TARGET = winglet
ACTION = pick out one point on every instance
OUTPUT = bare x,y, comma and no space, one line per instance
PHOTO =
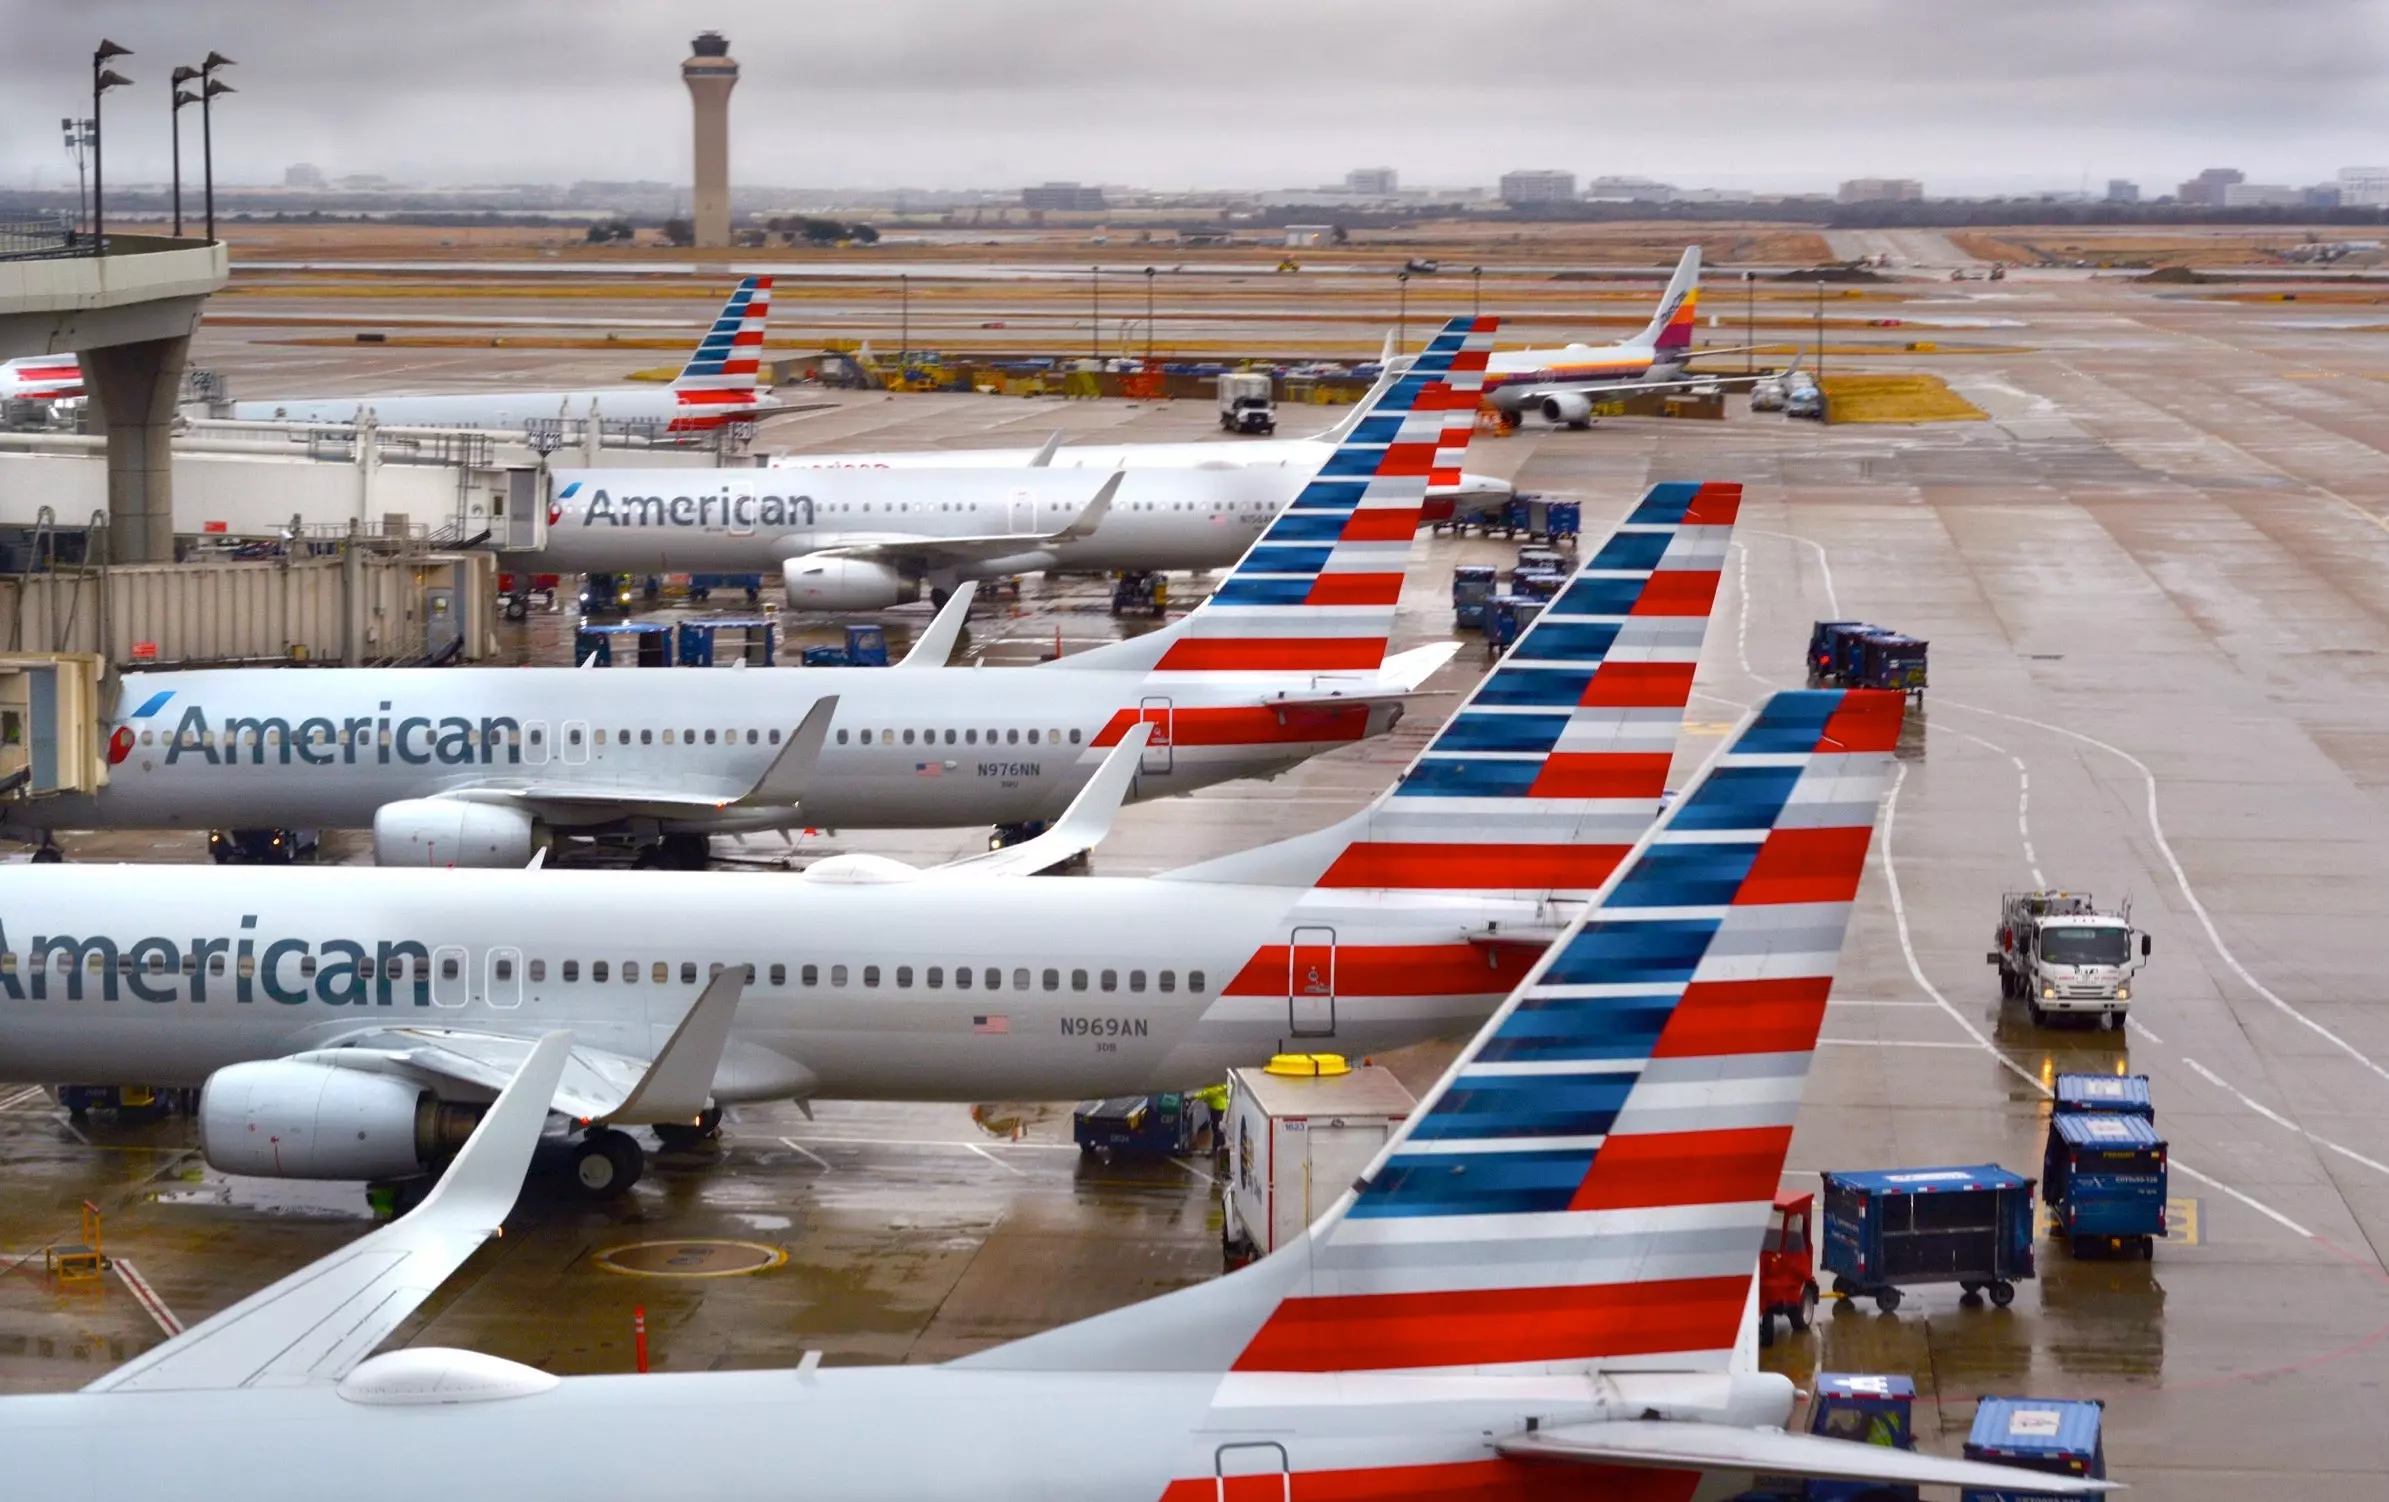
783,782
1043,458
1083,525
677,1085
1082,826
934,648
318,1323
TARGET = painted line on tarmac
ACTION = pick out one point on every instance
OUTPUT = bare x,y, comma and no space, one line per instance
808,1152
23,1097
1899,913
146,1296
2275,1117
1833,599
2023,803
992,1158
1890,1043
2181,879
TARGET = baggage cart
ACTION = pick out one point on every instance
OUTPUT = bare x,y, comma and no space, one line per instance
2103,1179
1894,1228
1472,585
2122,1094
2054,1436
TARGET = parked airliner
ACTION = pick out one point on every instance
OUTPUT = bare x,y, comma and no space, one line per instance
1286,659
1542,1285
348,996
1563,382
720,383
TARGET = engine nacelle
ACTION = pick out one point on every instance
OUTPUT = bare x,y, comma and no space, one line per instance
451,832
822,581
1568,408
286,1119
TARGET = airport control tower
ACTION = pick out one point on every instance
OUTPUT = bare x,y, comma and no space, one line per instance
711,73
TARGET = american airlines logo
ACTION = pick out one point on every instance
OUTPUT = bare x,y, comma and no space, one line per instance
290,972
719,508
322,741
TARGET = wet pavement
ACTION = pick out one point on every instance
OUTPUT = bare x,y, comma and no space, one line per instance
2156,590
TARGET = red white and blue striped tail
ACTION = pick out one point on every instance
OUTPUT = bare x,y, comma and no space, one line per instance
1554,765
729,359
1588,1185
1316,591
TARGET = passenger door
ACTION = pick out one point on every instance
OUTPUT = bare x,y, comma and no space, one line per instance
1311,983
1162,715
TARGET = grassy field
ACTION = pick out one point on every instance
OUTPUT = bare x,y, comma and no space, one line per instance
1896,398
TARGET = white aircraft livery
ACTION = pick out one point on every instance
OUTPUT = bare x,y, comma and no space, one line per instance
718,384
1563,382
1286,659
1541,1286
321,1007
41,378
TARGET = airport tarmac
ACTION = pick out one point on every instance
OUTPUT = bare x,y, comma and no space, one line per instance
2154,583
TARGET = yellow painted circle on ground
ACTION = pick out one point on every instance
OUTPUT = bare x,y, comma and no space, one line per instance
691,1259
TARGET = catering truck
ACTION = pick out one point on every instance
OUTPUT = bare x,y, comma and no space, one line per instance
1247,402
2062,955
1299,1131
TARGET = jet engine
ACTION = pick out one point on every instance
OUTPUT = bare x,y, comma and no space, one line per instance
1570,408
290,1119
450,832
823,581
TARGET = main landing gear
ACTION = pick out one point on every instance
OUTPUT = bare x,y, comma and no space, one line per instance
676,852
48,855
607,1162
681,1136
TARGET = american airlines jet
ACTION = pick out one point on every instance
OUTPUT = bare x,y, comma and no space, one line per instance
1541,1286
321,1007
1563,382
717,385
1286,659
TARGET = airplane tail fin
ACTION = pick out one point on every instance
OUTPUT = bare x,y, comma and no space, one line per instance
1670,329
1554,765
1315,593
1588,1185
728,360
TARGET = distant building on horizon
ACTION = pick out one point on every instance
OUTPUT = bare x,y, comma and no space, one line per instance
1533,186
1618,189
2262,196
1373,182
2207,189
1064,198
1880,190
302,175
2122,190
2364,187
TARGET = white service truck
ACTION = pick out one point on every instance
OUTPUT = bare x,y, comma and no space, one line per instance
2063,956
1247,401
1299,1131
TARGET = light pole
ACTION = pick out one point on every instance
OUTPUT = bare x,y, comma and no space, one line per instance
182,96
1820,333
81,136
1750,323
1476,291
1095,314
103,78
1148,320
1402,319
210,86
904,320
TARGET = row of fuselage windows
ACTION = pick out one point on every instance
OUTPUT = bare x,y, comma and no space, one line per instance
537,736
450,967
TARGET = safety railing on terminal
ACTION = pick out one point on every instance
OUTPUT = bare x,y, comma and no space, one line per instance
42,238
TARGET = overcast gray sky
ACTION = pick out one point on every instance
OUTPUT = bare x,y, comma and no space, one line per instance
2003,94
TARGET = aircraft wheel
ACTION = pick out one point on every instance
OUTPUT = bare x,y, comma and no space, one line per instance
49,855
607,1163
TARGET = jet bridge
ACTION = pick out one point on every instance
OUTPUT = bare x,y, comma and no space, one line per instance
51,705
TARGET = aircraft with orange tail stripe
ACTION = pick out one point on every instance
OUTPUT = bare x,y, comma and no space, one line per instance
1562,383
1542,1287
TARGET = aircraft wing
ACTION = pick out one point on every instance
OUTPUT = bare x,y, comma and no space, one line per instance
965,550
316,1325
934,648
1670,1445
781,785
1082,825
593,1084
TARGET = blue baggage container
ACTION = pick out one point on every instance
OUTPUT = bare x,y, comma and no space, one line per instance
2054,1436
2123,1094
1566,521
1886,659
1895,1228
1472,586
2103,1179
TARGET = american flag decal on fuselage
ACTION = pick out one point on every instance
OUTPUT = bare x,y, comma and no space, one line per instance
1589,1184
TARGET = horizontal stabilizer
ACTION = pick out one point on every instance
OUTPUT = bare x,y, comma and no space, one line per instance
1671,1445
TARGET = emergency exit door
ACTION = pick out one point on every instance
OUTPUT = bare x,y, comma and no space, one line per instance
1162,715
1311,983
